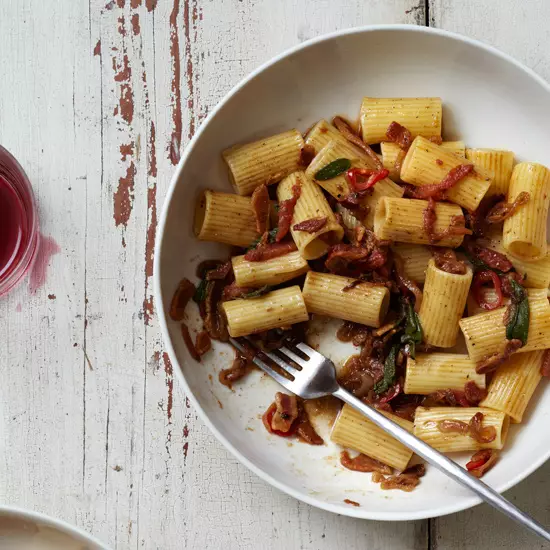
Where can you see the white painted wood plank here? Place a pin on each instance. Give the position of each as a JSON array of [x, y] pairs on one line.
[[520, 29], [116, 449], [517, 28], [41, 358], [201, 484]]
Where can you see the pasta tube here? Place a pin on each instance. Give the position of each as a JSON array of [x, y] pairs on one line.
[[338, 187], [524, 233], [390, 153], [498, 164], [426, 422], [364, 303], [415, 260], [267, 161], [269, 272], [402, 220], [537, 273], [323, 133], [427, 163], [420, 115], [279, 308], [485, 333], [445, 296], [311, 204], [225, 218], [430, 372], [514, 383], [355, 431]]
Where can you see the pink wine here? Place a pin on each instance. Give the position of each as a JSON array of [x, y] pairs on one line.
[[13, 228], [18, 223]]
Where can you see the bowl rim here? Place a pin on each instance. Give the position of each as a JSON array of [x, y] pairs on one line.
[[59, 524], [352, 511]]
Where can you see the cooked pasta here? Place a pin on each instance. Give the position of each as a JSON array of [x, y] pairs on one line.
[[402, 220], [415, 260], [279, 308], [225, 218], [266, 161], [427, 163], [497, 163], [338, 187], [427, 427], [445, 296], [390, 154], [335, 296], [421, 115], [524, 233], [485, 333], [269, 272], [355, 431], [322, 134], [430, 372], [536, 273], [402, 249], [513, 384], [311, 204]]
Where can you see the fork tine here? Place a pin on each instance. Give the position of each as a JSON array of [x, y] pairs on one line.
[[281, 362], [309, 351], [296, 358], [285, 382]]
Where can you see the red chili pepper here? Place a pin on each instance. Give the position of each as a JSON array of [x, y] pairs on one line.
[[475, 464], [268, 417], [373, 177], [393, 392], [477, 289]]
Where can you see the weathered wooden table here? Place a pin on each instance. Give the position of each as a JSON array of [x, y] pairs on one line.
[[96, 99]]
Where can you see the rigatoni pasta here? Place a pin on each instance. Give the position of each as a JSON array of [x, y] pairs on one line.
[[421, 115], [355, 431], [336, 296], [279, 308], [339, 240], [485, 333], [415, 260], [322, 134], [497, 163], [267, 160], [513, 384], [536, 273], [274, 271], [524, 233], [225, 218], [427, 427], [430, 372], [444, 300], [402, 220], [311, 204], [391, 151], [338, 187], [427, 163]]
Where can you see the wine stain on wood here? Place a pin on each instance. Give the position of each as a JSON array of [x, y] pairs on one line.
[[47, 248]]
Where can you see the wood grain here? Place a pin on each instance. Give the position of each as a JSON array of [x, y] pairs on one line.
[[97, 98]]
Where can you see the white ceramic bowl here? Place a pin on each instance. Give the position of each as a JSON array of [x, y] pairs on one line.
[[490, 100], [24, 529]]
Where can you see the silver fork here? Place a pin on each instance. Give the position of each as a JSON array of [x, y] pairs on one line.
[[317, 378]]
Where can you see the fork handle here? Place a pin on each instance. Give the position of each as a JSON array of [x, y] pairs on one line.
[[441, 462]]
